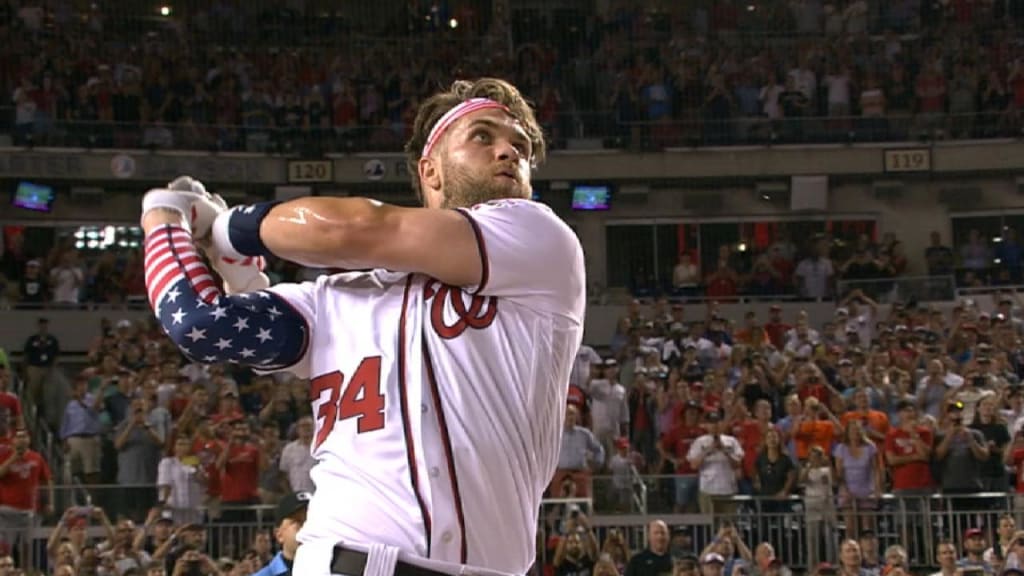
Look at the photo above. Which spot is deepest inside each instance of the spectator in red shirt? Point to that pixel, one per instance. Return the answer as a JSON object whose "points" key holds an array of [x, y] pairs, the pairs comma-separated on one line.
{"points": [[750, 432], [776, 328], [240, 464], [675, 445], [908, 451], [10, 407], [22, 472]]}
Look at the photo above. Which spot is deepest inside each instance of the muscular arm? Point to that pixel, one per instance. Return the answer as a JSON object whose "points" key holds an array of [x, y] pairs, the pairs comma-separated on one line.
{"points": [[362, 233], [258, 329]]}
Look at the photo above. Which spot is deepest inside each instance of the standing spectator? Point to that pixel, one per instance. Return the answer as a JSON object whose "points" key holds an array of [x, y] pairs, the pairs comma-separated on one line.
{"points": [[586, 360], [67, 280], [775, 477], [975, 254], [239, 463], [296, 460], [860, 479], [656, 559], [138, 440], [717, 456], [80, 431], [814, 275], [609, 409], [11, 417], [41, 350], [817, 481], [908, 450], [675, 447], [875, 422], [938, 256], [33, 287], [23, 472], [579, 451], [989, 422], [960, 452], [180, 481]]}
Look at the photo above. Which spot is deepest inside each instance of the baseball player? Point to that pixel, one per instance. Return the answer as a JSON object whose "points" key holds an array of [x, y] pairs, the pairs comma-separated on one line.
{"points": [[438, 376]]}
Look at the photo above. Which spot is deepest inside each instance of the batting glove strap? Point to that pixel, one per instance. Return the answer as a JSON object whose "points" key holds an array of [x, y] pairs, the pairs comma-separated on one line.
{"points": [[236, 233]]}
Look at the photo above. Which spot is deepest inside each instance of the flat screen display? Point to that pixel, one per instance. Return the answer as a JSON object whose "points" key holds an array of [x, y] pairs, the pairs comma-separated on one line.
{"points": [[32, 196], [591, 197]]}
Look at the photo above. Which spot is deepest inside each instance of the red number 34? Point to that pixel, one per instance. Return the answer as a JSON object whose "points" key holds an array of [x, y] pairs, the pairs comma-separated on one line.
{"points": [[362, 399]]}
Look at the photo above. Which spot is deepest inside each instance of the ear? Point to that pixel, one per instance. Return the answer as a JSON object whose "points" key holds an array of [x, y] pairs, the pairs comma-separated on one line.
{"points": [[429, 173]]}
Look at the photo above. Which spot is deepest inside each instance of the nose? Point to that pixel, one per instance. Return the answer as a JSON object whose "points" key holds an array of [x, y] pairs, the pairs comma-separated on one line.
{"points": [[506, 150]]}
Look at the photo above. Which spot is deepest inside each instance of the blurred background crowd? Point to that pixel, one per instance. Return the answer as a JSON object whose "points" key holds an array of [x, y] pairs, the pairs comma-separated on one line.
{"points": [[882, 440]]}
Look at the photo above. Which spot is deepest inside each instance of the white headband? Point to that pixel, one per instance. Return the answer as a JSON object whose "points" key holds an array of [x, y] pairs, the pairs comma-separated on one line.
{"points": [[449, 118]]}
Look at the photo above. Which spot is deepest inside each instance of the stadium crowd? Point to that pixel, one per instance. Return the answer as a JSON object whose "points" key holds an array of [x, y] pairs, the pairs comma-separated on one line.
{"points": [[632, 74]]}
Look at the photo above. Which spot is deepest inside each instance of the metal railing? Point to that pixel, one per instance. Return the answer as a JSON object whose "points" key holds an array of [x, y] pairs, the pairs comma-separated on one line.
{"points": [[903, 288], [802, 533]]}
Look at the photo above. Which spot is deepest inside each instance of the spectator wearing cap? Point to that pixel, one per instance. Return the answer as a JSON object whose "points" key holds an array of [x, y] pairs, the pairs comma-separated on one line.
{"points": [[180, 480], [290, 516], [675, 447], [655, 559], [158, 529], [582, 368], [960, 452], [974, 551], [41, 350], [717, 456], [228, 409], [579, 452], [609, 408], [712, 564], [33, 288], [623, 473]]}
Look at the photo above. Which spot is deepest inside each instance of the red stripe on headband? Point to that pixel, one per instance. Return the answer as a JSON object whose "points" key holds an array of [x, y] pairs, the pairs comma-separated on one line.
{"points": [[449, 118]]}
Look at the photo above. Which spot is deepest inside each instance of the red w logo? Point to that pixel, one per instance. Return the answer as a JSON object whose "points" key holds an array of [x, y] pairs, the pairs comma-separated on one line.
{"points": [[479, 315]]}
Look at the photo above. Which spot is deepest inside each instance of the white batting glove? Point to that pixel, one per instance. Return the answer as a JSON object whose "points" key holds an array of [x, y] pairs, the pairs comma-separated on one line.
{"points": [[188, 196], [240, 276]]}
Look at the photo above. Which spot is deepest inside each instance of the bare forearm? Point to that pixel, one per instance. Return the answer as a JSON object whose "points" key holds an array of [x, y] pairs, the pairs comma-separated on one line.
{"points": [[323, 232]]}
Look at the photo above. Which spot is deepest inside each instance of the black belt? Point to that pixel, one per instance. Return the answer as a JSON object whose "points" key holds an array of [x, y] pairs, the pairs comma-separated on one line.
{"points": [[353, 563]]}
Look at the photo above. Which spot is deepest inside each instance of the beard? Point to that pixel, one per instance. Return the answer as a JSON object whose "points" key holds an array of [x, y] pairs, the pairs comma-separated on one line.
{"points": [[462, 189]]}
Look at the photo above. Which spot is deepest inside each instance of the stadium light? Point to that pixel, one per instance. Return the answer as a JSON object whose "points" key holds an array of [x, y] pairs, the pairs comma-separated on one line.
{"points": [[165, 10], [453, 23]]}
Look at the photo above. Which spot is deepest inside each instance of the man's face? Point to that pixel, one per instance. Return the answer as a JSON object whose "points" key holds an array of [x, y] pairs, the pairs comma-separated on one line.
{"points": [[657, 534], [484, 155], [711, 569], [947, 555], [6, 565], [21, 440], [975, 544], [850, 554]]}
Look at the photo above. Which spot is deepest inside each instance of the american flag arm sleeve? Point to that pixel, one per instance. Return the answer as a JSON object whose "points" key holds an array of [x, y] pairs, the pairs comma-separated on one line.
{"points": [[257, 329]]}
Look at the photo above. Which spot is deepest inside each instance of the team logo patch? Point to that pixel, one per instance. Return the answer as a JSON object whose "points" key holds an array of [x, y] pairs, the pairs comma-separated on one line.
{"points": [[479, 313]]}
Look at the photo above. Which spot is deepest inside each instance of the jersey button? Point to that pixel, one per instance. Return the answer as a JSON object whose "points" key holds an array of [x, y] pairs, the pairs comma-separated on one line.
{"points": [[446, 537], [435, 472]]}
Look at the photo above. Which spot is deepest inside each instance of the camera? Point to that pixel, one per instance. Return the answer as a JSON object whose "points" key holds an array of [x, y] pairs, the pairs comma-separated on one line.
{"points": [[978, 381]]}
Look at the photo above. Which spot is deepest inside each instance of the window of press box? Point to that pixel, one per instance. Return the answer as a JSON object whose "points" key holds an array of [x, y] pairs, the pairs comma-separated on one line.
{"points": [[642, 255], [107, 237]]}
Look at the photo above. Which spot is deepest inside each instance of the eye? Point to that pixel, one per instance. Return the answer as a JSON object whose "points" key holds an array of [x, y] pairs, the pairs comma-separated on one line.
{"points": [[482, 136]]}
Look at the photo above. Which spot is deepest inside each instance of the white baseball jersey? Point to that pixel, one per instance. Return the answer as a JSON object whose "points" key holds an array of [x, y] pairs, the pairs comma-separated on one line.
{"points": [[438, 410]]}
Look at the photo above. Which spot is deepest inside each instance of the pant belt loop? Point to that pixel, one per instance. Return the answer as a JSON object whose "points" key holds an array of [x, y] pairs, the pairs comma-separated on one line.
{"points": [[381, 560]]}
